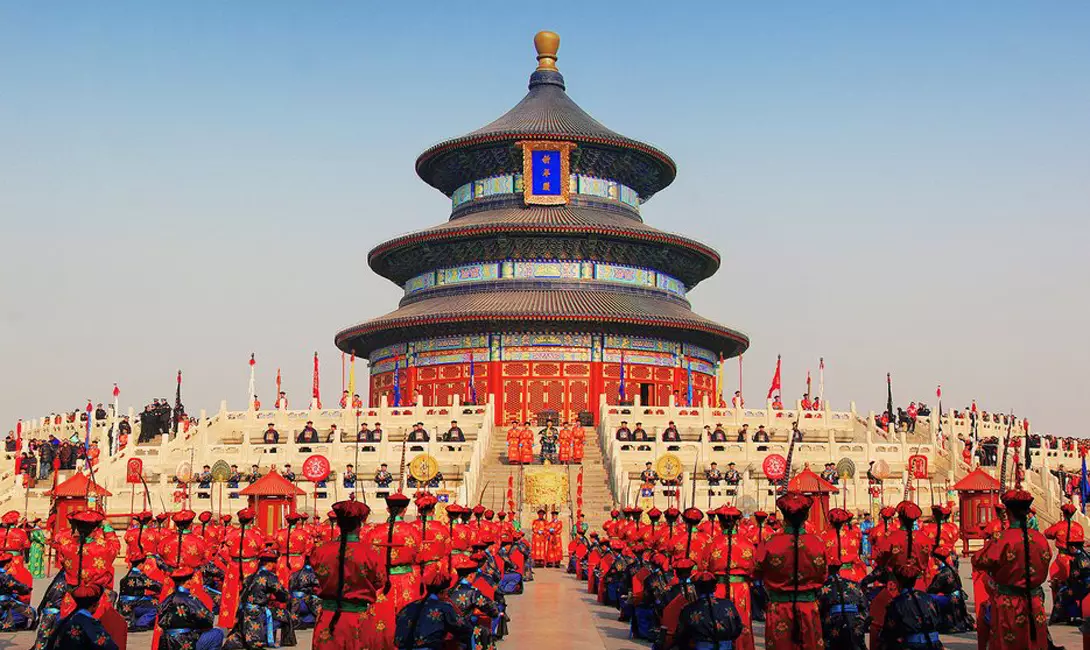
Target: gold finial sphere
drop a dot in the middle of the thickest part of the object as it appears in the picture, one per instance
(546, 43)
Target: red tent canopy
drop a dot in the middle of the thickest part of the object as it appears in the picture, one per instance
(978, 481)
(272, 485)
(807, 482)
(78, 485)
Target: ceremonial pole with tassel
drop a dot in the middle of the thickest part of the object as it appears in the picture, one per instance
(316, 395)
(251, 397)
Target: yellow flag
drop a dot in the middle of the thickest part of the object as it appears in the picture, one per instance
(351, 379)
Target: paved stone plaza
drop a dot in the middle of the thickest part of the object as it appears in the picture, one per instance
(555, 613)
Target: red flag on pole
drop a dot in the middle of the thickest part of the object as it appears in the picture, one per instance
(775, 380)
(278, 391)
(807, 382)
(317, 393)
(938, 392)
(18, 445)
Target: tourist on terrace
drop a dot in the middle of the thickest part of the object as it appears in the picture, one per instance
(829, 473)
(670, 434)
(712, 475)
(796, 433)
(806, 404)
(9, 442)
(383, 477)
(760, 435)
(624, 434)
(100, 412)
(308, 434)
(454, 433)
(357, 403)
(912, 413)
(419, 433)
(743, 433)
(737, 401)
(344, 400)
(333, 433)
(271, 436)
(257, 403)
(282, 401)
(816, 406)
(777, 404)
(124, 430)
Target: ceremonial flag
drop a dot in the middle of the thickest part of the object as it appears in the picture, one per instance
(178, 402)
(622, 377)
(1084, 486)
(352, 379)
(87, 435)
(721, 389)
(690, 382)
(252, 397)
(18, 445)
(807, 382)
(113, 425)
(472, 383)
(889, 397)
(938, 396)
(821, 379)
(317, 394)
(342, 373)
(775, 380)
(278, 391)
(397, 382)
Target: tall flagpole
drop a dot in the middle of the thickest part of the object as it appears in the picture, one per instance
(113, 425)
(821, 380)
(317, 393)
(251, 399)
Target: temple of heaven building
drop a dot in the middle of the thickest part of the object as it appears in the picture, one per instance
(545, 289)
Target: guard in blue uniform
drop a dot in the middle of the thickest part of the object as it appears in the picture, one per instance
(708, 623)
(186, 622)
(305, 603)
(138, 597)
(842, 603)
(258, 611)
(912, 622)
(15, 615)
(478, 610)
(81, 630)
(424, 624)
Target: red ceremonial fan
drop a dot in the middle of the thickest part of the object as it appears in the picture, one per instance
(316, 468)
(774, 467)
(134, 469)
(917, 466)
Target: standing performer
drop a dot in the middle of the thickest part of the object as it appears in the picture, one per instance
(792, 564)
(14, 540)
(1018, 563)
(514, 439)
(138, 597)
(526, 444)
(350, 577)
(15, 615)
(256, 623)
(842, 603)
(428, 622)
(911, 623)
(398, 541)
(241, 545)
(554, 552)
(185, 621)
(435, 543)
(81, 629)
(564, 444)
(578, 439)
(730, 557)
(540, 538)
(710, 622)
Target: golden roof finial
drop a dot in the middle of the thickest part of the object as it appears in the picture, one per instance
(546, 43)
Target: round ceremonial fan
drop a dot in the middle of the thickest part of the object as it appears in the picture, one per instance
(774, 467)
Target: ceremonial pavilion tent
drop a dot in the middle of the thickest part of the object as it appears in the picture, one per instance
(545, 289)
(978, 493)
(272, 497)
(808, 483)
(75, 494)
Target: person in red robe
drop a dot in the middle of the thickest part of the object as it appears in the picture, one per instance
(564, 444)
(435, 544)
(140, 538)
(842, 544)
(294, 542)
(398, 541)
(983, 585)
(554, 551)
(88, 558)
(1017, 561)
(539, 538)
(690, 542)
(350, 579)
(241, 544)
(792, 565)
(14, 540)
(731, 558)
(514, 442)
(526, 444)
(578, 440)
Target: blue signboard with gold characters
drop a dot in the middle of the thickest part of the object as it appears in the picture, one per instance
(546, 169)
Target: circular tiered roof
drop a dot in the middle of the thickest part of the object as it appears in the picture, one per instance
(498, 225)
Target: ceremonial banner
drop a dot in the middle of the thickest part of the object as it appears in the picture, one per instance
(776, 384)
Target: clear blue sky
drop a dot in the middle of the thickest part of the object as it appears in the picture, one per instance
(895, 187)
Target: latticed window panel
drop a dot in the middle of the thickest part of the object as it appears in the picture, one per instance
(513, 390)
(427, 391)
(445, 392)
(546, 369)
(535, 396)
(577, 393)
(612, 370)
(451, 371)
(554, 395)
(481, 386)
(516, 369)
(662, 394)
(612, 391)
(664, 374)
(576, 370)
(639, 372)
(427, 373)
